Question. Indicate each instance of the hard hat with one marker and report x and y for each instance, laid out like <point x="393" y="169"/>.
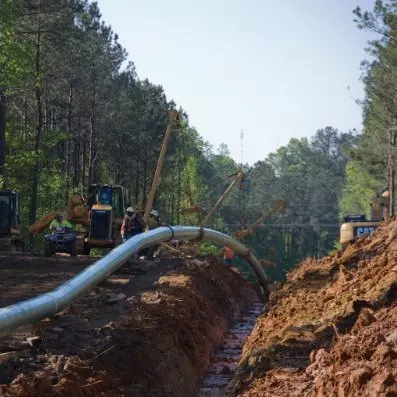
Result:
<point x="129" y="209"/>
<point x="154" y="213"/>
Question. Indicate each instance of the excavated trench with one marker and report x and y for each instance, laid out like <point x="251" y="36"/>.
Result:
<point x="149" y="330"/>
<point x="225" y="361"/>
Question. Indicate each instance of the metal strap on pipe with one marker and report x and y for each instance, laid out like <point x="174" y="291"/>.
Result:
<point x="35" y="309"/>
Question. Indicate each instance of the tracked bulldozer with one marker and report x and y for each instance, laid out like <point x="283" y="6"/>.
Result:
<point x="10" y="222"/>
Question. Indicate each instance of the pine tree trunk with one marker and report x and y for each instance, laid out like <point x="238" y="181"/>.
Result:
<point x="392" y="173"/>
<point x="39" y="130"/>
<point x="76" y="163"/>
<point x="179" y="188"/>
<point x="3" y="117"/>
<point x="145" y="165"/>
<point x="136" y="181"/>
<point x="68" y="144"/>
<point x="92" y="141"/>
<point x="83" y="164"/>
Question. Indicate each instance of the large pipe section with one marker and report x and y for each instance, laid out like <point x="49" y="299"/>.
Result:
<point x="32" y="310"/>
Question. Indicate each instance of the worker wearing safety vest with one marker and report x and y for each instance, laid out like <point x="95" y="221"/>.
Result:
<point x="132" y="224"/>
<point x="59" y="223"/>
<point x="154" y="220"/>
<point x="228" y="256"/>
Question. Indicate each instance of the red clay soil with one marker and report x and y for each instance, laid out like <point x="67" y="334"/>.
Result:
<point x="156" y="342"/>
<point x="330" y="329"/>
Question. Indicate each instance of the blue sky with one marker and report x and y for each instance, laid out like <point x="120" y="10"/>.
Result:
<point x="275" y="69"/>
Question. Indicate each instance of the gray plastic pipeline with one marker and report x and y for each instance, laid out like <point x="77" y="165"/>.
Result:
<point x="35" y="309"/>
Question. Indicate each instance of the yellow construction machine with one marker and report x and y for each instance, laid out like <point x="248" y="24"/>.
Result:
<point x="173" y="122"/>
<point x="10" y="222"/>
<point x="101" y="214"/>
<point x="356" y="226"/>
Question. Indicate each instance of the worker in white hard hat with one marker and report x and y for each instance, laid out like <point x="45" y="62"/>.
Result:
<point x="127" y="224"/>
<point x="154" y="220"/>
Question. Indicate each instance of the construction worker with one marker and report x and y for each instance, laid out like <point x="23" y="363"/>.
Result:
<point x="154" y="220"/>
<point x="153" y="223"/>
<point x="59" y="223"/>
<point x="228" y="256"/>
<point x="132" y="224"/>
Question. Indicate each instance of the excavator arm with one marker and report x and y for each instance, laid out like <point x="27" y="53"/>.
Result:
<point x="42" y="224"/>
<point x="77" y="213"/>
<point x="239" y="176"/>
<point x="173" y="123"/>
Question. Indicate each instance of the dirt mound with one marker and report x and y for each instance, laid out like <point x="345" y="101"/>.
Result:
<point x="363" y="362"/>
<point x="317" y="309"/>
<point x="159" y="343"/>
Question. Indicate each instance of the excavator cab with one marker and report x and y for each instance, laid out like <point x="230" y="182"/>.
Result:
<point x="107" y="206"/>
<point x="10" y="221"/>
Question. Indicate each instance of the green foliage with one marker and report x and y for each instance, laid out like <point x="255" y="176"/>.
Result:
<point x="367" y="169"/>
<point x="208" y="248"/>
<point x="359" y="190"/>
<point x="336" y="248"/>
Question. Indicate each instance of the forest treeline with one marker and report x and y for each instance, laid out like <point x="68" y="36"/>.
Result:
<point x="372" y="165"/>
<point x="78" y="113"/>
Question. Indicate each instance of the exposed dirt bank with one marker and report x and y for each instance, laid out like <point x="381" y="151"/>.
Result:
<point x="330" y="328"/>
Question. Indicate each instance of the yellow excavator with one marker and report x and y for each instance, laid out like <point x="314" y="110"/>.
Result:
<point x="101" y="214"/>
<point x="356" y="226"/>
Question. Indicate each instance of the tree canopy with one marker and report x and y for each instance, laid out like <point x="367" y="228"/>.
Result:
<point x="77" y="113"/>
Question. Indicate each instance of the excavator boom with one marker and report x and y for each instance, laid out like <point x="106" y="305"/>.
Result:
<point x="239" y="176"/>
<point x="173" y="121"/>
<point x="277" y="206"/>
<point x="42" y="224"/>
